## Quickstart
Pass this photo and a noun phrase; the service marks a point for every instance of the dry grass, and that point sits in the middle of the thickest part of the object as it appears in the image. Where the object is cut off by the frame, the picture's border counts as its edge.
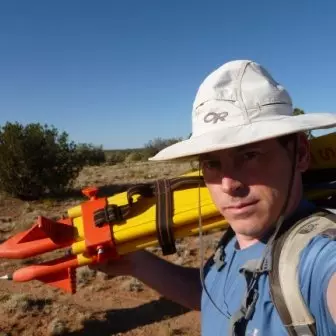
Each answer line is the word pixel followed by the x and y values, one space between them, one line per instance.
pixel 85 276
pixel 23 303
pixel 168 329
pixel 57 327
pixel 129 173
pixel 132 285
pixel 6 224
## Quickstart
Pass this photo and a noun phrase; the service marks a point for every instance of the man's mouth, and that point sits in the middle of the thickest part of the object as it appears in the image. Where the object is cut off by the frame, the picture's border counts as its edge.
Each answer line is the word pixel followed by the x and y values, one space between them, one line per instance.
pixel 241 206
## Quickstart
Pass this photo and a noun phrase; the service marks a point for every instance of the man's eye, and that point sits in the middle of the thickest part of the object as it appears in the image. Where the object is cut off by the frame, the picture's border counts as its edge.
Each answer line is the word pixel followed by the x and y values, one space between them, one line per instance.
pixel 250 155
pixel 212 164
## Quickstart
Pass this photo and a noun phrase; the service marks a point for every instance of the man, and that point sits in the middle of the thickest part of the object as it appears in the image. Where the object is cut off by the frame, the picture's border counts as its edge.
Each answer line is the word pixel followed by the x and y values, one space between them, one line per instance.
pixel 252 152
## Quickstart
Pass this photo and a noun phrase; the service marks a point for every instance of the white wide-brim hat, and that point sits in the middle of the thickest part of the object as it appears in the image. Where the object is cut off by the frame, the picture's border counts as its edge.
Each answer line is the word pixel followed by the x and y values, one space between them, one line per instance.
pixel 237 104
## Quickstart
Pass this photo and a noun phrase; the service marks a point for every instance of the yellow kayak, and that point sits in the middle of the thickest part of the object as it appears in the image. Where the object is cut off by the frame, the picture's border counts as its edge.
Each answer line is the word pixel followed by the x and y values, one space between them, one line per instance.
pixel 139 229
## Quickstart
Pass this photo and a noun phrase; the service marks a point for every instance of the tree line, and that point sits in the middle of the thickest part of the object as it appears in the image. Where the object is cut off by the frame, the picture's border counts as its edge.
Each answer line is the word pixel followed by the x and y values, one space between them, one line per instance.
pixel 38 160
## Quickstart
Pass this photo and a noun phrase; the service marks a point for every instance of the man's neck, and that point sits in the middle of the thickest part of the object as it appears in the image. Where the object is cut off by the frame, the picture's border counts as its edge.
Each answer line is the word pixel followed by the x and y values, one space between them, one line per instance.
pixel 244 242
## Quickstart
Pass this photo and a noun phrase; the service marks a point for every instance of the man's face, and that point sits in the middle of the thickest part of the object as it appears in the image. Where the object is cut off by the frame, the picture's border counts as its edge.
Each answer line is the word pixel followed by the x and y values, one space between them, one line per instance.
pixel 249 184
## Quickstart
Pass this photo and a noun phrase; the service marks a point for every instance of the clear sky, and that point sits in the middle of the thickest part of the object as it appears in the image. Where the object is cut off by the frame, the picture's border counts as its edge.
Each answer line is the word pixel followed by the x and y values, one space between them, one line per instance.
pixel 120 73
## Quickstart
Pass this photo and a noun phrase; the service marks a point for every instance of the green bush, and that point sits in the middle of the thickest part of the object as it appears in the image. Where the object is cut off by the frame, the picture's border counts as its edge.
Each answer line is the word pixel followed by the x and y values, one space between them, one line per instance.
pixel 36 160
pixel 115 157
pixel 133 157
pixel 91 155
pixel 154 146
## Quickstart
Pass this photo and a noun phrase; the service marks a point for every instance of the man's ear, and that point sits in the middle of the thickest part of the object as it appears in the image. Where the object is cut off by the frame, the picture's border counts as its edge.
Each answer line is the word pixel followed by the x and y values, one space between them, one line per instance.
pixel 303 152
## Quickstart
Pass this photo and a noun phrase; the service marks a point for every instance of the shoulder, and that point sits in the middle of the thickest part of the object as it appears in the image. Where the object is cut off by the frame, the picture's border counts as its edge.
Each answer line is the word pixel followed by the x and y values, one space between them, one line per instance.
pixel 316 269
pixel 318 258
pixel 308 246
pixel 314 254
pixel 320 250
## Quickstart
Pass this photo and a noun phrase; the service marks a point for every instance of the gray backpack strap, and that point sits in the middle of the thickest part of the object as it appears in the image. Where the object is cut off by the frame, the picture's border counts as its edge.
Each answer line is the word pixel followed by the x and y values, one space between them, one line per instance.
pixel 284 279
pixel 218 257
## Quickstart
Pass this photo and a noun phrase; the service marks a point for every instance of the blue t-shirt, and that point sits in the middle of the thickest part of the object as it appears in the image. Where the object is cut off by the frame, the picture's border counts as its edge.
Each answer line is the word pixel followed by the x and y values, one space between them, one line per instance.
pixel 227 289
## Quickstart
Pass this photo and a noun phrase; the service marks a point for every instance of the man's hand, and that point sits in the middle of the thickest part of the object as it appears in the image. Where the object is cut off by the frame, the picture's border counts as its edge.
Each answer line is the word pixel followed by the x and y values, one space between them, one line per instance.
pixel 177 283
pixel 122 266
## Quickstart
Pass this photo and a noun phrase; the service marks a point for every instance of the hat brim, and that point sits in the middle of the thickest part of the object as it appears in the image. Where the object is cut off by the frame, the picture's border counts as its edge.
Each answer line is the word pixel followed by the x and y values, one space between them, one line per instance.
pixel 245 134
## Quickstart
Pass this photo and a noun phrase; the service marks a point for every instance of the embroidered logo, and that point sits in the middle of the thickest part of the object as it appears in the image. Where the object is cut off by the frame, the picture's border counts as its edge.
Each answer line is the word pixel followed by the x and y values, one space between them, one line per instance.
pixel 213 117
pixel 308 227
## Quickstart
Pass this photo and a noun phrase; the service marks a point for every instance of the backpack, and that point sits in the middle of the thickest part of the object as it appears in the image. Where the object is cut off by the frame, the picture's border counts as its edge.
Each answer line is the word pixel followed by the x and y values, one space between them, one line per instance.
pixel 284 282
pixel 282 269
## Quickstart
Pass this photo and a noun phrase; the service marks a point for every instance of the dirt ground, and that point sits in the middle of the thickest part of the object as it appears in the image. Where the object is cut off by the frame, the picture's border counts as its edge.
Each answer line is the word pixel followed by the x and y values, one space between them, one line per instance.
pixel 102 306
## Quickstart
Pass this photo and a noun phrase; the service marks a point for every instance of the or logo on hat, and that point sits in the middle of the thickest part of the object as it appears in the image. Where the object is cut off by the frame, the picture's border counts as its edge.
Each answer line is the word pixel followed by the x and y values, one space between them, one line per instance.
pixel 213 117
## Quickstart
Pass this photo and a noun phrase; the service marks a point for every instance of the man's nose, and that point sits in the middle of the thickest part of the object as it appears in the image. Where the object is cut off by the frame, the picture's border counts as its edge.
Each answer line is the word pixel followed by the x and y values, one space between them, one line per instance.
pixel 231 185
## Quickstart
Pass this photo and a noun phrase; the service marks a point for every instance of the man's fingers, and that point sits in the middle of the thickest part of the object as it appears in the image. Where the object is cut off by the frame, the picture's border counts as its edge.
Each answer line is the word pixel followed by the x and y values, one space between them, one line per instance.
pixel 110 266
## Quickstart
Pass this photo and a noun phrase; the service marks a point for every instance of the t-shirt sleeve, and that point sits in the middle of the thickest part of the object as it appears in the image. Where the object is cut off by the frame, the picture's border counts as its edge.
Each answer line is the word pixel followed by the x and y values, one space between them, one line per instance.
pixel 318 264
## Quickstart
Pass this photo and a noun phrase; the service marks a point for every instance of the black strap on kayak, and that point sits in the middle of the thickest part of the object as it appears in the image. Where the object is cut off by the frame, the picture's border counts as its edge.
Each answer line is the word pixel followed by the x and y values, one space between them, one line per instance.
pixel 164 216
pixel 113 213
pixel 162 190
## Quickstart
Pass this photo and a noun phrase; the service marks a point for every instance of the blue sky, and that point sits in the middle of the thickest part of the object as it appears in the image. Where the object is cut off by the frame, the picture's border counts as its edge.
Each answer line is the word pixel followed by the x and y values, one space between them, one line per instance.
pixel 120 73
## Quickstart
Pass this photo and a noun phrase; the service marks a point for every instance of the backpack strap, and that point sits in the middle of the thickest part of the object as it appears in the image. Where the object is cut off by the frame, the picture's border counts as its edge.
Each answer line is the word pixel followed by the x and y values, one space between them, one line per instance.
pixel 284 279
pixel 218 257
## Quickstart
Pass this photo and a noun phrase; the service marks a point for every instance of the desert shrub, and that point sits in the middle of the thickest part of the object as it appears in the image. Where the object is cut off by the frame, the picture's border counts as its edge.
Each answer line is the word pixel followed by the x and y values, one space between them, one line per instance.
pixel 35 160
pixel 57 327
pixel 91 155
pixel 115 157
pixel 154 146
pixel 23 302
pixel 134 156
pixel 85 275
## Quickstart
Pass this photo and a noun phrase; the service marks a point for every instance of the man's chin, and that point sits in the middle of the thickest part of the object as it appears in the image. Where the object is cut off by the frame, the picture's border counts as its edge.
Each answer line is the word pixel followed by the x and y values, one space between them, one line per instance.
pixel 247 216
pixel 250 225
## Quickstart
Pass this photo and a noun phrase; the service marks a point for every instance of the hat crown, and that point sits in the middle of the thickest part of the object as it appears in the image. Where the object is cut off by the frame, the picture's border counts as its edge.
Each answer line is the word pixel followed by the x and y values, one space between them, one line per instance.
pixel 237 93
pixel 237 104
